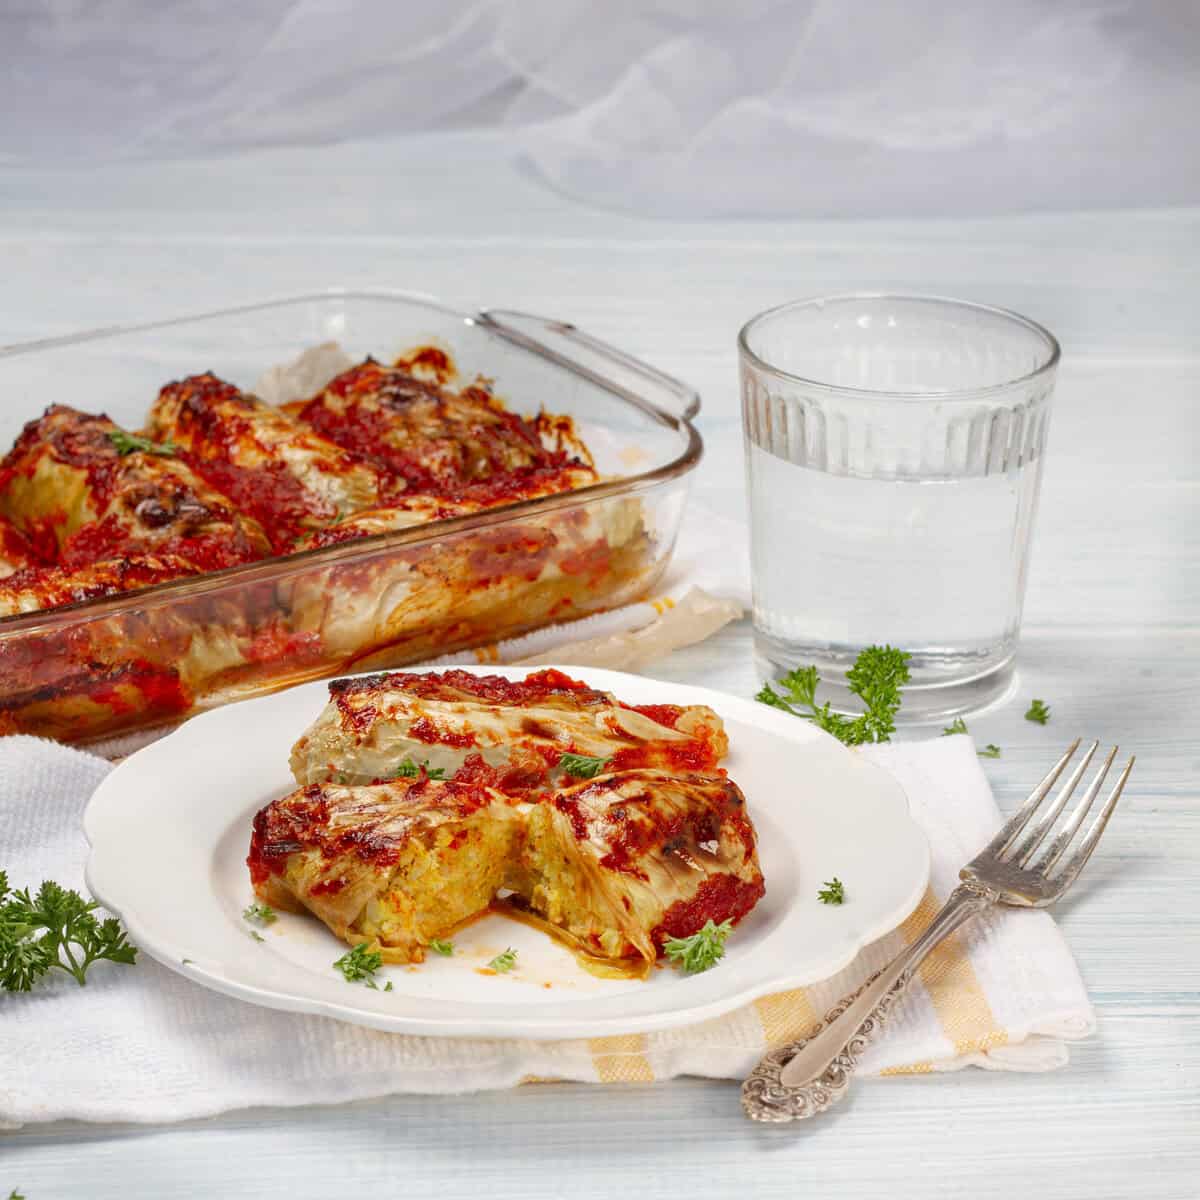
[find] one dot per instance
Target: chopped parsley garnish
(505, 962)
(1039, 711)
(833, 892)
(583, 766)
(387, 987)
(876, 678)
(258, 937)
(359, 963)
(990, 751)
(259, 914)
(700, 951)
(442, 946)
(410, 770)
(54, 929)
(130, 443)
(958, 725)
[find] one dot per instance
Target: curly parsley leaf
(704, 949)
(583, 766)
(1038, 711)
(359, 963)
(990, 751)
(877, 677)
(503, 963)
(833, 892)
(958, 725)
(442, 946)
(410, 770)
(130, 443)
(54, 929)
(259, 914)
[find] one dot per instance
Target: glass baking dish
(112, 665)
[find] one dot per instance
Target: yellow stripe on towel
(621, 1059)
(786, 1016)
(957, 996)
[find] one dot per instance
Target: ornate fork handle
(805, 1077)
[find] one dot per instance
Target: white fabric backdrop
(780, 107)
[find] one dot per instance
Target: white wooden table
(1112, 641)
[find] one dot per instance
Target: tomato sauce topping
(719, 898)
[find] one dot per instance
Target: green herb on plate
(833, 892)
(958, 725)
(259, 914)
(990, 751)
(503, 963)
(1038, 711)
(704, 949)
(359, 963)
(442, 946)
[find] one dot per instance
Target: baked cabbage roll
(36, 588)
(420, 508)
(16, 554)
(435, 438)
(623, 863)
(83, 490)
(508, 734)
(614, 867)
(272, 466)
(395, 865)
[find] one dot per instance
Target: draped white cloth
(765, 107)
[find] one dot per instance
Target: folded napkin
(144, 1044)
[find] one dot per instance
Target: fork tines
(1015, 846)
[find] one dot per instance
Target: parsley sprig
(833, 892)
(54, 929)
(990, 751)
(360, 964)
(130, 443)
(1039, 711)
(876, 678)
(704, 949)
(504, 962)
(410, 770)
(958, 725)
(259, 914)
(442, 946)
(583, 766)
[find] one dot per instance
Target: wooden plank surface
(1112, 642)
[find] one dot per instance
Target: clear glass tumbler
(893, 458)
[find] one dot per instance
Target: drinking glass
(894, 452)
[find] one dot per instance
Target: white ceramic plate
(170, 827)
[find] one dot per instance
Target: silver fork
(806, 1077)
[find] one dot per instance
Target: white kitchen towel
(142, 1043)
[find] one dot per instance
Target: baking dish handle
(564, 343)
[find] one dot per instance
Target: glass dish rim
(1046, 368)
(189, 586)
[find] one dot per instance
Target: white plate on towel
(170, 826)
